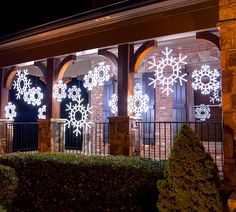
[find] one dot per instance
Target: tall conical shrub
(191, 181)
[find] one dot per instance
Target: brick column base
(51, 135)
(119, 135)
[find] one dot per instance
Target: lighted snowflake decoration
(42, 112)
(205, 80)
(33, 96)
(216, 97)
(138, 103)
(168, 71)
(101, 73)
(22, 83)
(90, 80)
(202, 112)
(59, 91)
(10, 111)
(78, 116)
(74, 93)
(113, 103)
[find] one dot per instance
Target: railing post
(51, 135)
(6, 136)
(119, 135)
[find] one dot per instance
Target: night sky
(19, 15)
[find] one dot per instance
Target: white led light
(211, 83)
(174, 64)
(78, 116)
(59, 91)
(113, 103)
(202, 112)
(74, 93)
(22, 83)
(41, 112)
(90, 80)
(101, 73)
(10, 111)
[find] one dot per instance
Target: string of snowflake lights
(10, 111)
(74, 93)
(113, 103)
(59, 91)
(168, 64)
(205, 80)
(21, 83)
(138, 103)
(202, 112)
(101, 73)
(33, 96)
(90, 80)
(78, 116)
(41, 112)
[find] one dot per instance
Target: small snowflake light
(10, 111)
(59, 91)
(173, 65)
(78, 116)
(113, 103)
(205, 80)
(138, 103)
(90, 80)
(216, 97)
(202, 112)
(41, 112)
(33, 96)
(22, 83)
(74, 93)
(101, 73)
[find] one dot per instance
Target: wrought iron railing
(94, 140)
(155, 139)
(20, 136)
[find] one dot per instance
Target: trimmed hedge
(191, 177)
(8, 185)
(66, 182)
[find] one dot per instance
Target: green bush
(191, 181)
(8, 185)
(66, 182)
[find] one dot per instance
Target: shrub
(191, 181)
(8, 185)
(66, 182)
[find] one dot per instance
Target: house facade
(125, 43)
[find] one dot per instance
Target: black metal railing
(155, 139)
(94, 140)
(21, 136)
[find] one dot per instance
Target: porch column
(119, 126)
(227, 25)
(51, 129)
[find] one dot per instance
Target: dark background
(19, 15)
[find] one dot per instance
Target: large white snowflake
(168, 71)
(78, 116)
(41, 112)
(90, 80)
(202, 112)
(74, 93)
(10, 111)
(21, 83)
(205, 80)
(138, 103)
(101, 73)
(113, 103)
(59, 91)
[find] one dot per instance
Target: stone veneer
(227, 26)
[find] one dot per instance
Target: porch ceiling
(159, 19)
